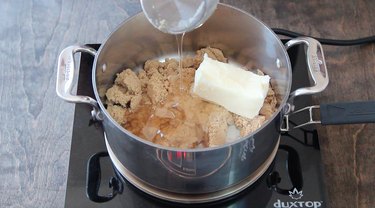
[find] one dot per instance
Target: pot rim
(278, 111)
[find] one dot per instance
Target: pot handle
(317, 69)
(66, 76)
(337, 113)
(347, 113)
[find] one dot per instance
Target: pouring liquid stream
(180, 43)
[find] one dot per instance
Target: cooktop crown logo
(295, 194)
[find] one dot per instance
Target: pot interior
(243, 39)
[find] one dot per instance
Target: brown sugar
(247, 125)
(126, 92)
(129, 80)
(117, 95)
(117, 113)
(218, 122)
(213, 53)
(157, 105)
(269, 105)
(156, 89)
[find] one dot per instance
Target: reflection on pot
(184, 164)
(247, 147)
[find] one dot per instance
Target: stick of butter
(237, 90)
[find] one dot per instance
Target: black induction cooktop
(293, 180)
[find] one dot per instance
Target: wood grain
(36, 125)
(35, 130)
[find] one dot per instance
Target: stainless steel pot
(244, 40)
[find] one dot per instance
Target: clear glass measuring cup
(178, 16)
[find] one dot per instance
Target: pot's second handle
(336, 113)
(66, 75)
(316, 67)
(347, 113)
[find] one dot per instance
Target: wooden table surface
(36, 126)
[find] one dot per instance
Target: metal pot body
(191, 172)
(245, 41)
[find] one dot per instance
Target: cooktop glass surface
(273, 189)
